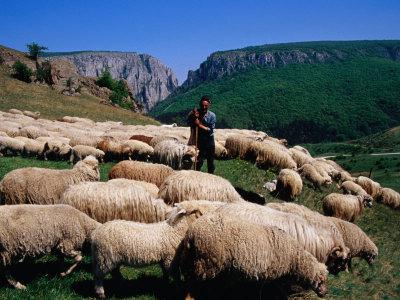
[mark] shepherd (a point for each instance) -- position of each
(202, 128)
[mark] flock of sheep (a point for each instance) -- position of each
(153, 209)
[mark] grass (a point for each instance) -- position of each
(53, 105)
(381, 281)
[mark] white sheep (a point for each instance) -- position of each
(174, 154)
(345, 207)
(289, 184)
(79, 152)
(32, 230)
(309, 172)
(389, 197)
(370, 186)
(350, 187)
(11, 146)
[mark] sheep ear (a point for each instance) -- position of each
(182, 211)
(197, 213)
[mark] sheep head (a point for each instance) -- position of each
(188, 157)
(319, 281)
(366, 200)
(180, 214)
(338, 259)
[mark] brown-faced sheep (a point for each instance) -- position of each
(289, 184)
(314, 236)
(119, 243)
(309, 172)
(79, 152)
(141, 171)
(215, 245)
(389, 197)
(359, 244)
(56, 150)
(45, 186)
(345, 207)
(32, 230)
(143, 138)
(194, 185)
(122, 199)
(11, 146)
(370, 186)
(174, 154)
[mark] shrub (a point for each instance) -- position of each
(120, 92)
(43, 72)
(105, 80)
(22, 72)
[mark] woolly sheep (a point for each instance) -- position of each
(359, 244)
(15, 111)
(325, 169)
(389, 197)
(32, 132)
(31, 147)
(141, 171)
(195, 185)
(350, 187)
(271, 155)
(122, 199)
(45, 186)
(314, 236)
(345, 207)
(370, 186)
(174, 154)
(238, 146)
(289, 184)
(35, 115)
(309, 172)
(79, 152)
(56, 150)
(302, 149)
(216, 244)
(120, 242)
(32, 230)
(138, 150)
(300, 157)
(160, 138)
(11, 146)
(220, 151)
(142, 138)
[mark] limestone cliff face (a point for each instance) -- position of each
(224, 63)
(149, 79)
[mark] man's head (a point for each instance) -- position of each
(205, 103)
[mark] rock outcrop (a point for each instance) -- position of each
(149, 79)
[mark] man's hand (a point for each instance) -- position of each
(197, 122)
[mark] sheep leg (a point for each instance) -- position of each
(98, 284)
(11, 281)
(77, 257)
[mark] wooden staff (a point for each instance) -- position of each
(195, 147)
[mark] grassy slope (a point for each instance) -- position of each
(303, 103)
(52, 105)
(381, 281)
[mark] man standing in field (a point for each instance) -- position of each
(203, 122)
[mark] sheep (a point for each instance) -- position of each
(302, 149)
(359, 244)
(389, 197)
(45, 186)
(69, 119)
(11, 146)
(2, 133)
(216, 245)
(116, 199)
(345, 176)
(325, 169)
(289, 184)
(220, 151)
(113, 150)
(79, 152)
(143, 138)
(238, 146)
(35, 115)
(300, 157)
(117, 243)
(142, 171)
(32, 132)
(350, 187)
(309, 172)
(160, 138)
(195, 185)
(56, 150)
(370, 186)
(15, 111)
(31, 147)
(11, 128)
(174, 154)
(318, 238)
(138, 150)
(32, 230)
(272, 155)
(345, 207)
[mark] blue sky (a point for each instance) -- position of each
(183, 33)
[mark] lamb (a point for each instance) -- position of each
(79, 152)
(345, 207)
(142, 171)
(350, 187)
(11, 146)
(32, 230)
(116, 199)
(216, 244)
(389, 197)
(45, 186)
(359, 244)
(195, 185)
(56, 150)
(370, 186)
(320, 239)
(289, 184)
(176, 155)
(120, 242)
(309, 172)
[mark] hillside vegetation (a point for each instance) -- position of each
(52, 105)
(338, 100)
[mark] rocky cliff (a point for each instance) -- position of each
(150, 80)
(220, 64)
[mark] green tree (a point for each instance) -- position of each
(22, 72)
(35, 50)
(106, 80)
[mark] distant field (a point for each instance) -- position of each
(381, 281)
(52, 105)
